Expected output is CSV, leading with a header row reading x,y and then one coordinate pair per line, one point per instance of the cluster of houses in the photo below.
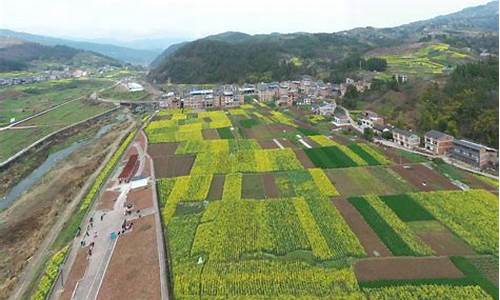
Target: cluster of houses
x,y
226,96
43,76
47,75
434,142
305,91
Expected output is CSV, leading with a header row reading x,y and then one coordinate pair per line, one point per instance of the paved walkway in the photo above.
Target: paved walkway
x,y
105,222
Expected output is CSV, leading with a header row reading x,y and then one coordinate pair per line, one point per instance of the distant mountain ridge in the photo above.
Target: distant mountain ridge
x,y
133,56
238,57
17,55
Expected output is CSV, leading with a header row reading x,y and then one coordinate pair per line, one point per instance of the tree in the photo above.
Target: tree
x,y
387,135
368,134
350,97
376,64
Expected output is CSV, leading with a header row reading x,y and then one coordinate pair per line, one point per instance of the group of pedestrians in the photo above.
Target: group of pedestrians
x,y
88,234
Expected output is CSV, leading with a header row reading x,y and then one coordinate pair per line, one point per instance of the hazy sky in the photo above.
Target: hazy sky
x,y
127,19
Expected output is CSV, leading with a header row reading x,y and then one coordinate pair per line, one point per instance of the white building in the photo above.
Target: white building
x,y
134,87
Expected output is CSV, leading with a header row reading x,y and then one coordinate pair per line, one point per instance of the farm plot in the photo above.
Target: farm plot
x,y
253,221
142,274
173,166
402,268
440,239
23,101
210,134
369,154
329,157
270,188
68,113
472,215
427,291
424,178
216,188
395,234
368,238
367,180
252,187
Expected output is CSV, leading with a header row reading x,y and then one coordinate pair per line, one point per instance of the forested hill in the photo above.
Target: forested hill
x,y
239,57
17,55
467,106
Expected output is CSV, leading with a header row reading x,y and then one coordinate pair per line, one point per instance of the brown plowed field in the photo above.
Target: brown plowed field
x,y
108,199
393,155
270,188
162,149
369,240
250,133
442,241
286,143
268,144
216,188
279,128
173,166
394,268
341,139
141,198
423,178
210,134
303,158
134,270
77,270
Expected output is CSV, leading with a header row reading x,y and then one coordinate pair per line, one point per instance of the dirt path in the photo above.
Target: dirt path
x,y
35,263
368,238
393,268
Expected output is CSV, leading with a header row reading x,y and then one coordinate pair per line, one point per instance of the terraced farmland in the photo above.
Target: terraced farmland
x,y
248,221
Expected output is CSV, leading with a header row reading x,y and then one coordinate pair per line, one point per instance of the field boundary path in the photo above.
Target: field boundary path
x,y
29,272
159,229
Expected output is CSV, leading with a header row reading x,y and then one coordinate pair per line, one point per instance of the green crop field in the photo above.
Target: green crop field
x,y
20,102
227,239
16,138
121,93
430,59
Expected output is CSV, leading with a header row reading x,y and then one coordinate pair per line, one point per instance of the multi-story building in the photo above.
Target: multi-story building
x,y
438,142
474,154
405,138
370,119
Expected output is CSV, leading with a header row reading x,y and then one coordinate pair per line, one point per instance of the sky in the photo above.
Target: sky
x,y
190,19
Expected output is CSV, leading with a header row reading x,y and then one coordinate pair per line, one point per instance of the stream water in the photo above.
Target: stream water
x,y
36,175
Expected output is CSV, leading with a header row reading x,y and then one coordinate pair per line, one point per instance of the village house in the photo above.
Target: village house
x,y
438,142
405,138
327,109
474,154
370,119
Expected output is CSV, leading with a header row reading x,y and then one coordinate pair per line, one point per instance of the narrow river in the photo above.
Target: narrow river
x,y
34,177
